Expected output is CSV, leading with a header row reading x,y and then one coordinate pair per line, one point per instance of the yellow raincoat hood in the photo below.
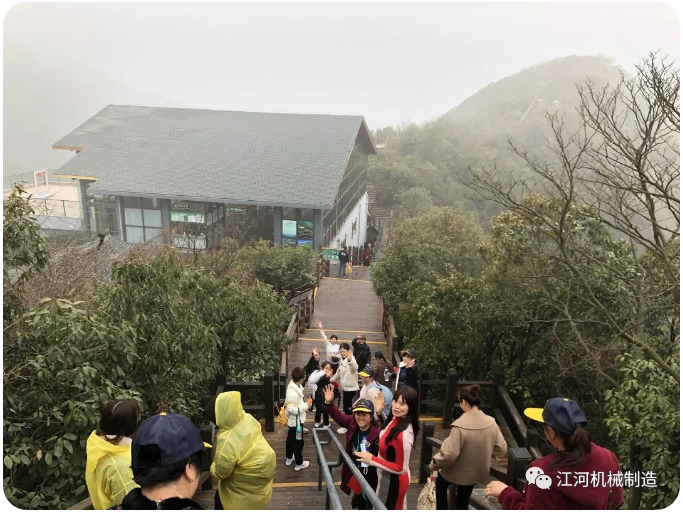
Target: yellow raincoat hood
x,y
108,474
244,463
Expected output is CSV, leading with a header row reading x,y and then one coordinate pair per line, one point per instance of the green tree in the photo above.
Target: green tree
x,y
24,249
424,249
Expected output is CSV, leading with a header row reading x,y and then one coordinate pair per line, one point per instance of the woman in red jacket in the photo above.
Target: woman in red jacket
x,y
580,475
362,435
395,445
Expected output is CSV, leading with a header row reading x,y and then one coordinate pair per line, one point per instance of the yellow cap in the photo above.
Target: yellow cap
x,y
535,414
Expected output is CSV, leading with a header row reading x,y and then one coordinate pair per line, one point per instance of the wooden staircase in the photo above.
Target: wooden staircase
x,y
373,209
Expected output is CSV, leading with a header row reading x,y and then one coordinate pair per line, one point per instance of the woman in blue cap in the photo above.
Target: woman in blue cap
x,y
555,481
362,435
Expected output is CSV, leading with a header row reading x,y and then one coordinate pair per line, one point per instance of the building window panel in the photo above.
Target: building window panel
x,y
135,234
152,218
152,234
134,216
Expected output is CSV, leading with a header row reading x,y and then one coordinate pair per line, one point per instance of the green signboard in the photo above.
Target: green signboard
x,y
186,217
331,254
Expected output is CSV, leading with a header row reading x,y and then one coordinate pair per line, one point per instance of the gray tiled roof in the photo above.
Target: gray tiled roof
x,y
276,159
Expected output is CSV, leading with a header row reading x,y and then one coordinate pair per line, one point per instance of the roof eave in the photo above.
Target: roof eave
x,y
94,190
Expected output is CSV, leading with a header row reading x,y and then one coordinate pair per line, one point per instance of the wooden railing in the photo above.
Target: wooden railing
x,y
513,475
498,404
322,270
272,389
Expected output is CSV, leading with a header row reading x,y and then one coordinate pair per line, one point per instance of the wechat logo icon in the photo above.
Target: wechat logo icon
x,y
535,475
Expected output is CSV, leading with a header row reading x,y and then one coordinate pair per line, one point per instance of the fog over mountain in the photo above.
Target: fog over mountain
x,y
389,62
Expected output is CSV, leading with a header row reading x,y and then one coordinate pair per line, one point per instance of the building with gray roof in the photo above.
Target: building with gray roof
x,y
193,176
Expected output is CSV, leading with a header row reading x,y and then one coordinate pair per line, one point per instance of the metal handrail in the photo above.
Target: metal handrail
x,y
344,457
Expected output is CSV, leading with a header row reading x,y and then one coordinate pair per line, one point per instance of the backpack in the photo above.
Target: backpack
x,y
388,396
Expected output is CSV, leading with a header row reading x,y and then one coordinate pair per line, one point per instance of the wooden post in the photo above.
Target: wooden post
x,y
518,461
283,386
421,392
302,317
531,439
269,401
451,397
425,450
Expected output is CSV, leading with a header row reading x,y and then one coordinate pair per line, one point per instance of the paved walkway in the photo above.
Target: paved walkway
x,y
346,306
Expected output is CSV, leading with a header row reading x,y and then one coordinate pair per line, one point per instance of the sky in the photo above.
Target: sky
x,y
391,62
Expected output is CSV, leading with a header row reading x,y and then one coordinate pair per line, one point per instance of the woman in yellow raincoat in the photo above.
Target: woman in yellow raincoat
x,y
108,475
244,463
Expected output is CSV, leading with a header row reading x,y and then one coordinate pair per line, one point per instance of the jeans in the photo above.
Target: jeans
x,y
342,269
462,498
294,447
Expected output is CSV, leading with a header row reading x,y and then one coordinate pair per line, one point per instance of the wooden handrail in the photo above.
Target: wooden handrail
x,y
518,460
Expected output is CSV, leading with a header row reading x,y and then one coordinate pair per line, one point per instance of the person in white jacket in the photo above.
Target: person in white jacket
x,y
347,376
296,408
331,346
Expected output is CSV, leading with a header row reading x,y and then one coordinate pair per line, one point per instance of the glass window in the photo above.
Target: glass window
x,y
133,216
135,234
152,218
152,233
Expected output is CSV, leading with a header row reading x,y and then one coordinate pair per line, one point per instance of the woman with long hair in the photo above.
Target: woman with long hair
x,y
465,456
551,481
108,473
395,445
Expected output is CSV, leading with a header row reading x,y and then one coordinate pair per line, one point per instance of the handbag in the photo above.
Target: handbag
x,y
427,497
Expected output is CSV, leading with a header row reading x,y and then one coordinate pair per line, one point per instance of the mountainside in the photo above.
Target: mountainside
x,y
427,164
46,96
517,103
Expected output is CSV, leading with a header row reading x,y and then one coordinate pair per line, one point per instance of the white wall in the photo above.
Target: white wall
x,y
359,214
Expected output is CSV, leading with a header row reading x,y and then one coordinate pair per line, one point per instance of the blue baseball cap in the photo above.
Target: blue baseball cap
x,y
174,437
367,372
559,413
364,405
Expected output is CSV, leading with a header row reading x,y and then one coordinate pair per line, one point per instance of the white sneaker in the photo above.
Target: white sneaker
x,y
318,424
288,462
304,464
305,430
342,430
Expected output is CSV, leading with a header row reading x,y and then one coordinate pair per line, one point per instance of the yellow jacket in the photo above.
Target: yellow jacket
x,y
108,474
244,463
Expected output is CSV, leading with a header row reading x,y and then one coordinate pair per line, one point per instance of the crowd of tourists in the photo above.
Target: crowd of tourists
x,y
157,464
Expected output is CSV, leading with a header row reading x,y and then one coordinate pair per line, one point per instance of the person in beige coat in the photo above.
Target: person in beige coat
x,y
465,456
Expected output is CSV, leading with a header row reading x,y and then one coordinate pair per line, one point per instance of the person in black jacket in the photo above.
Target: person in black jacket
x,y
343,260
407,375
166,457
361,351
321,414
313,364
